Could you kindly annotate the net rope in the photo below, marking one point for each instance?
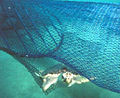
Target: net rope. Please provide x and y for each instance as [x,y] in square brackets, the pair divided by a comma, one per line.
[84,36]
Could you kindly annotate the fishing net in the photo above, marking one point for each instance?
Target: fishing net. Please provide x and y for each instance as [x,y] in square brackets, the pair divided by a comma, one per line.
[85,36]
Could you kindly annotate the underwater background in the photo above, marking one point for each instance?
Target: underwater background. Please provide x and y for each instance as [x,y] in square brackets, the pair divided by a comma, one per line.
[17,82]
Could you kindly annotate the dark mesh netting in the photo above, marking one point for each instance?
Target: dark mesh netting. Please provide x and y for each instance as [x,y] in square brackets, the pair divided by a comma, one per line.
[84,36]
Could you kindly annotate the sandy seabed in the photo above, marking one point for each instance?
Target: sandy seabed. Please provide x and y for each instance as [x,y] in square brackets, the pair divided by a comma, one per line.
[17,82]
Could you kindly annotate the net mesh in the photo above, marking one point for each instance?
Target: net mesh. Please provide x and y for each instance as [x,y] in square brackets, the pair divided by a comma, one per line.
[84,36]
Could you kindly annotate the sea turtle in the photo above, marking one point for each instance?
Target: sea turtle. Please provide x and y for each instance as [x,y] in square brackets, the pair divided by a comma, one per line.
[59,77]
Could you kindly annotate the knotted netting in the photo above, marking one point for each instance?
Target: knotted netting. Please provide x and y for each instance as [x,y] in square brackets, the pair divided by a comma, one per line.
[84,36]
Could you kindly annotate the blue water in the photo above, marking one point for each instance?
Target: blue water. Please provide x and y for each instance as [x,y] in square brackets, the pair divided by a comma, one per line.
[109,1]
[16,81]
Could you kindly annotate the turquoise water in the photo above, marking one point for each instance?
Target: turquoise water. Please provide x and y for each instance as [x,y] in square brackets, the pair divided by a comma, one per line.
[115,1]
[16,81]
